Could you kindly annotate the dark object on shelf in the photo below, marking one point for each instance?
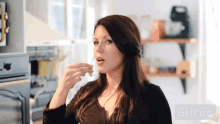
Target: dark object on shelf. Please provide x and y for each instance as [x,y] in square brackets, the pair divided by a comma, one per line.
[168,69]
[180,17]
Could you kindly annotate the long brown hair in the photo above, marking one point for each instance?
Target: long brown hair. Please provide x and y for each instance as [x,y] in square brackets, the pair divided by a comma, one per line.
[126,36]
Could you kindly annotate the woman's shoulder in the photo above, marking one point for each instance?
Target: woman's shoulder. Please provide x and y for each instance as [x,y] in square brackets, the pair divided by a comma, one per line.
[152,90]
[154,95]
[149,86]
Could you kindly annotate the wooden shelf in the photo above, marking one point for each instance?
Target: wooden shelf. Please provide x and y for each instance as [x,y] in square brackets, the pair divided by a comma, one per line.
[170,40]
[167,74]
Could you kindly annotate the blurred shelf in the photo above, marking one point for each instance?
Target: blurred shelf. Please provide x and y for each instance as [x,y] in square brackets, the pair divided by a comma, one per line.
[167,74]
[183,40]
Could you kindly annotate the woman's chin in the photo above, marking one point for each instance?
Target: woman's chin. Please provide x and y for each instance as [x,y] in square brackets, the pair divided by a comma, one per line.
[101,70]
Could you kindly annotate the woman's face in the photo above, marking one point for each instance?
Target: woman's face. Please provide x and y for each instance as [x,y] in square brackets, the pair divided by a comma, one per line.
[105,48]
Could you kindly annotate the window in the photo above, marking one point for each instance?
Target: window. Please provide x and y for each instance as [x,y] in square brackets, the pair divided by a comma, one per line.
[77,17]
[57,18]
[67,14]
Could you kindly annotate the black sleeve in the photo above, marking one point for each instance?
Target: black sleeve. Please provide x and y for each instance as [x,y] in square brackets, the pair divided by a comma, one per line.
[163,113]
[61,115]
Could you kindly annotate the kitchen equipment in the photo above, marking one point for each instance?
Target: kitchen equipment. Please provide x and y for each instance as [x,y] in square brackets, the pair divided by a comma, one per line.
[158,30]
[4,24]
[180,14]
[14,88]
[13,67]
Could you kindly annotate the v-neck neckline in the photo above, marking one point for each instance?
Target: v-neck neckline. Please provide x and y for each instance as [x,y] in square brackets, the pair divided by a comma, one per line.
[103,108]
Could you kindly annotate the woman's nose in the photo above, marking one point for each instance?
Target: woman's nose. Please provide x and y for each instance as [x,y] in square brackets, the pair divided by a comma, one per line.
[100,48]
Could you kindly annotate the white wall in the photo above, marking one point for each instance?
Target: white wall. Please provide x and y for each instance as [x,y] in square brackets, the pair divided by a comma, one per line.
[169,53]
[212,23]
[38,8]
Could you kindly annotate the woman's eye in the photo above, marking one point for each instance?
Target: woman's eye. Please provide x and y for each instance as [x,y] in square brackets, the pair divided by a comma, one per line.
[110,41]
[95,42]
[106,41]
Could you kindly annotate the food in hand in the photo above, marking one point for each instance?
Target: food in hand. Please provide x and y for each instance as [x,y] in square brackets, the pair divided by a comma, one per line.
[91,73]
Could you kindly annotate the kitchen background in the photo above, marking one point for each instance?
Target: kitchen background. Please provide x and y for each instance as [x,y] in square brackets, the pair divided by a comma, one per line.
[57,33]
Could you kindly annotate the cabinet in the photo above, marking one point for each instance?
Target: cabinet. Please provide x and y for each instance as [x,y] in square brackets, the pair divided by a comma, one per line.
[16,21]
[182,43]
[14,102]
[15,95]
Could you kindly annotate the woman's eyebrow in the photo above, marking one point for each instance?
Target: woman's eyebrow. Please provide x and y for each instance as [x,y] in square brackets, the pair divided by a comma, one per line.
[103,37]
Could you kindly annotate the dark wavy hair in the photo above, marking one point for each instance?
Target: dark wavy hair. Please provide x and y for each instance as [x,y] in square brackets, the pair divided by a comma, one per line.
[126,36]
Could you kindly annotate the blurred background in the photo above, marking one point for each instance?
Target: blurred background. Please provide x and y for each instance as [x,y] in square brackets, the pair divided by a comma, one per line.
[180,45]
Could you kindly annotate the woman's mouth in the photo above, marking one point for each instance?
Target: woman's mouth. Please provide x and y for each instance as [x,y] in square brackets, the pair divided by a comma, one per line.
[100,62]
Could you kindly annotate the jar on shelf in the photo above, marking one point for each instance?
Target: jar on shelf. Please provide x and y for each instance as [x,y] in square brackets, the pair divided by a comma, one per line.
[154,65]
[158,30]
[145,27]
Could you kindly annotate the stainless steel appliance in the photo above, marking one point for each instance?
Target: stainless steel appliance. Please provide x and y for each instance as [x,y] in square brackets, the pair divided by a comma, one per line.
[14,89]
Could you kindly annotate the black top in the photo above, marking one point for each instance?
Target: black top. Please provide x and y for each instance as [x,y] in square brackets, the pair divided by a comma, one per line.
[155,102]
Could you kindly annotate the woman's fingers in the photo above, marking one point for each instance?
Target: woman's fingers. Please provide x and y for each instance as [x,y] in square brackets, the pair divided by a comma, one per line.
[76,70]
[78,65]
[76,76]
[73,73]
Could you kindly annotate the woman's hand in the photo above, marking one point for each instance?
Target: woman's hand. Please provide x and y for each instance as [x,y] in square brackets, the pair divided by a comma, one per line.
[70,77]
[72,74]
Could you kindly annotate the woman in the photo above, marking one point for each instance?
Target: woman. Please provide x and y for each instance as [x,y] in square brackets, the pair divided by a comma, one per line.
[122,94]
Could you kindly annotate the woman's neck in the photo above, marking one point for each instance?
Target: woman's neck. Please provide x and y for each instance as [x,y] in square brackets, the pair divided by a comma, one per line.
[113,79]
[113,83]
